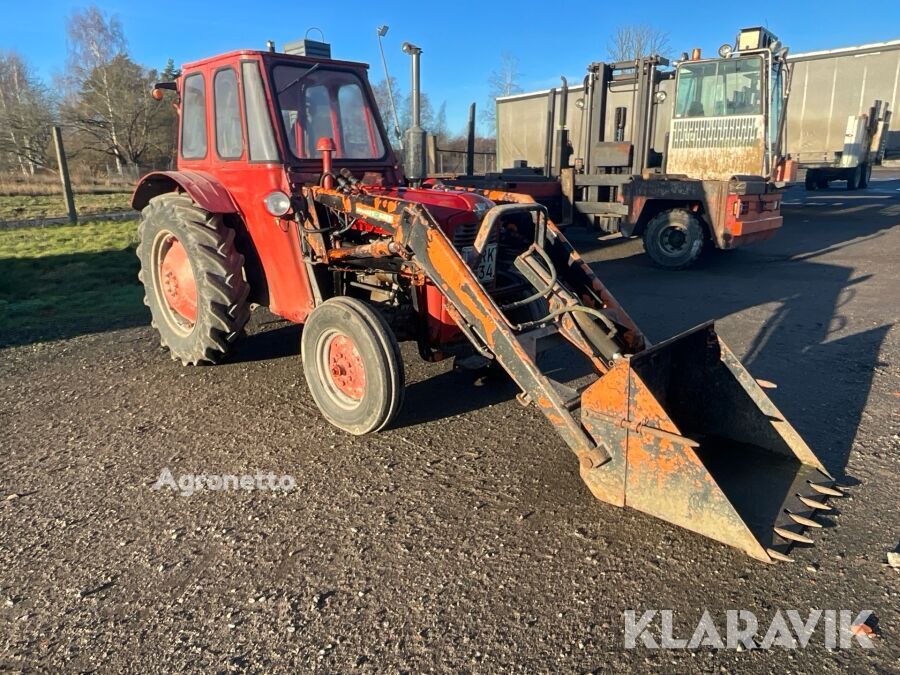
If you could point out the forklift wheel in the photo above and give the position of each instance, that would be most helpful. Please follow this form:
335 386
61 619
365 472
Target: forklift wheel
352 364
193 279
674 239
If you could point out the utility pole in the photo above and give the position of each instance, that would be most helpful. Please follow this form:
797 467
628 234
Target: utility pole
382 31
64 175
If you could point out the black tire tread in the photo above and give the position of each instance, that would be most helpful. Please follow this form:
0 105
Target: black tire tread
225 308
664 217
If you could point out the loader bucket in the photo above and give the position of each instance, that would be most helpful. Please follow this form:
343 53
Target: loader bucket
695 441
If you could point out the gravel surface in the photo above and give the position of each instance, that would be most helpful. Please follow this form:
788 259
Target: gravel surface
462 538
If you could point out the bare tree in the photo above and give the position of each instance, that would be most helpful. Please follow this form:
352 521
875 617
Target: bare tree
404 108
27 115
128 130
504 81
632 42
94 42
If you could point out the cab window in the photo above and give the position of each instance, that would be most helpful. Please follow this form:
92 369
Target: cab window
193 117
229 135
719 88
316 103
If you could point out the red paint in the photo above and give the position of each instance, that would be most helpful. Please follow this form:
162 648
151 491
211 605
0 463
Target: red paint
206 191
178 283
751 218
348 373
326 147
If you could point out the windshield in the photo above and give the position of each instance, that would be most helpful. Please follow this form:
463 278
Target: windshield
718 88
320 103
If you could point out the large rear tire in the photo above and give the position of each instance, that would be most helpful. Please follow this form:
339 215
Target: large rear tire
193 279
352 364
674 239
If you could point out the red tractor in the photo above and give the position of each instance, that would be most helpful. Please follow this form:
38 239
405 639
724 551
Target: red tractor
288 195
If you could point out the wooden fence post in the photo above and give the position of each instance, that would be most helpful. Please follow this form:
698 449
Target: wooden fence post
64 175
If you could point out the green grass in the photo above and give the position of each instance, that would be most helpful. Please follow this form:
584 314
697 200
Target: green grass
29 207
66 280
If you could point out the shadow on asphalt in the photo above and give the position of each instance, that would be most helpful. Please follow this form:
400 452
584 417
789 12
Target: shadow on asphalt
264 343
823 383
453 392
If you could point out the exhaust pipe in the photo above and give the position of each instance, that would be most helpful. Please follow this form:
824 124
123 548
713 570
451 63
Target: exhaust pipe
416 153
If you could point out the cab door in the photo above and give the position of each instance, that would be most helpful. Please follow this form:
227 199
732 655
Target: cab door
246 160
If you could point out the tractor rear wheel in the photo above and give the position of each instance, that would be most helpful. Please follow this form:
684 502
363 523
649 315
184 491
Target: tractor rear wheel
193 279
352 364
674 239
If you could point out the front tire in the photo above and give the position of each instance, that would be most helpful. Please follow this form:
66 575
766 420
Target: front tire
674 239
193 279
352 364
854 178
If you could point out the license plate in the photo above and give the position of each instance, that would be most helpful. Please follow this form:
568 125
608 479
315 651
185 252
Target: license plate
487 266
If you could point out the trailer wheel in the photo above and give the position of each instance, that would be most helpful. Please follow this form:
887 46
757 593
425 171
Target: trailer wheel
810 181
674 239
865 176
352 364
854 177
193 279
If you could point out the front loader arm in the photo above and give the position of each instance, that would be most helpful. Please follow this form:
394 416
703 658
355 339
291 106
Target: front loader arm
678 430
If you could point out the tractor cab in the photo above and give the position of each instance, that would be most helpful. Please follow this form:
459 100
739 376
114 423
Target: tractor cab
249 107
729 111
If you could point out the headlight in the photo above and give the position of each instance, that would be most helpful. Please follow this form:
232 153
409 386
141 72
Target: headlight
277 203
480 208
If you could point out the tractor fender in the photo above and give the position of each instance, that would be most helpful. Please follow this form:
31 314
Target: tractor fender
208 193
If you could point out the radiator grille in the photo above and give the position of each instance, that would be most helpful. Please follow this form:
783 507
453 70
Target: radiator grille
715 132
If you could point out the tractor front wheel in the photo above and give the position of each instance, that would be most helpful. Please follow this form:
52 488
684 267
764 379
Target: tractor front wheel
352 364
193 279
674 239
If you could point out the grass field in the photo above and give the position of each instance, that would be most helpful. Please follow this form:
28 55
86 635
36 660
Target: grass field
66 280
29 207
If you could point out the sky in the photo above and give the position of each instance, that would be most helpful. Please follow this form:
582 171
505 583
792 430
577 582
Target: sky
461 41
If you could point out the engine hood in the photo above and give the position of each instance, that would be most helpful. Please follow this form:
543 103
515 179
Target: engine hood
442 205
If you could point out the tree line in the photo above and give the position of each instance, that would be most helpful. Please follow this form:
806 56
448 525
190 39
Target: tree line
112 126
102 101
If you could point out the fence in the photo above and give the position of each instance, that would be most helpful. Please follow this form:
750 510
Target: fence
452 162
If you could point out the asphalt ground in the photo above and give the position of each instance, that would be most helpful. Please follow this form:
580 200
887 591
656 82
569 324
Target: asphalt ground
462 538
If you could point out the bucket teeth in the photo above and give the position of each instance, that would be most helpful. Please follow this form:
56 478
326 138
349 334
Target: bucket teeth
803 520
779 556
826 490
790 535
813 503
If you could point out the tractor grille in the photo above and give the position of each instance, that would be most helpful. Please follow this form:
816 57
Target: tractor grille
464 235
716 132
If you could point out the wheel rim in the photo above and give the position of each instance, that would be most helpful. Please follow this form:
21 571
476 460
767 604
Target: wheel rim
672 240
342 369
174 282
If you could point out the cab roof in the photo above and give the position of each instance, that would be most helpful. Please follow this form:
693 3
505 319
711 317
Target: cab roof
258 53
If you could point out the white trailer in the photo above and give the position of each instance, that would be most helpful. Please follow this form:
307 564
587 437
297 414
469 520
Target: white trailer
864 145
